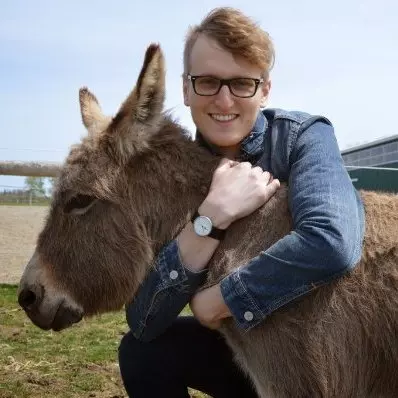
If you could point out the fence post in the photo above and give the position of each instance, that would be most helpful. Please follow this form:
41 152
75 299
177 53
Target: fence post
30 169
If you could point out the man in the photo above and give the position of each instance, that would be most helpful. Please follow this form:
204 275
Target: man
227 59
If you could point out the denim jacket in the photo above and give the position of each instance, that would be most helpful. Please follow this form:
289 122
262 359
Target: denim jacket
325 243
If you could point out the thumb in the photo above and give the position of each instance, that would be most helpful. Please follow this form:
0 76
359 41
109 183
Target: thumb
226 163
273 186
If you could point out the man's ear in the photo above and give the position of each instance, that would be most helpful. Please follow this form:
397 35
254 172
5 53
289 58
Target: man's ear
185 90
266 88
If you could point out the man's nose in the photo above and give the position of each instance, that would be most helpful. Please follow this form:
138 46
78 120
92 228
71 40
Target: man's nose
224 98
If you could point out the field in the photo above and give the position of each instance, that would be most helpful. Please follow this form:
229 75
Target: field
19 227
78 362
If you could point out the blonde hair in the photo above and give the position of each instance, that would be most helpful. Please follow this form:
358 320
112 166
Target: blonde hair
236 33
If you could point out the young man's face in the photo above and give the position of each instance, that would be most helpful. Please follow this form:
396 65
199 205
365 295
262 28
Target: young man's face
223 119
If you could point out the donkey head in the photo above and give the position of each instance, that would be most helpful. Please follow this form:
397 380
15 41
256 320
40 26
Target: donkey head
94 249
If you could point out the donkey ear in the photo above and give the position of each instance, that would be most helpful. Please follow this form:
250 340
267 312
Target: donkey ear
145 103
141 112
93 118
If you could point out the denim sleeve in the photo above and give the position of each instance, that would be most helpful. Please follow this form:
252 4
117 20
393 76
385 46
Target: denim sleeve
163 294
326 240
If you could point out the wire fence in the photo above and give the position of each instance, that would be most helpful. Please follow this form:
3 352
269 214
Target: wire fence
22 196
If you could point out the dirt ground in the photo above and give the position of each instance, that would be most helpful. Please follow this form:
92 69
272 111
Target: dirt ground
19 228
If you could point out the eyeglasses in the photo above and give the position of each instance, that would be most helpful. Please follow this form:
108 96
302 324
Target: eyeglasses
243 87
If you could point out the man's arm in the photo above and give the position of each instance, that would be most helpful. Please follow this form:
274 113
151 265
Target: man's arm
179 269
325 244
163 294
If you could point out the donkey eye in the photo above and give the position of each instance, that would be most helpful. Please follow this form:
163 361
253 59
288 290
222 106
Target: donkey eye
79 202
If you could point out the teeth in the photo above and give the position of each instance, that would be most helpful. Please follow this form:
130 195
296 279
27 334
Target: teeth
223 118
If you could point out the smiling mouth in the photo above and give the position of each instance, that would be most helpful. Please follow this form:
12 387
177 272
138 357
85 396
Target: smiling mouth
223 118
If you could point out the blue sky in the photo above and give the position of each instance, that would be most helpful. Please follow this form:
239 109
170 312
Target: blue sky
335 58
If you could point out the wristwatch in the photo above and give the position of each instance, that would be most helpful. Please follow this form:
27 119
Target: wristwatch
203 226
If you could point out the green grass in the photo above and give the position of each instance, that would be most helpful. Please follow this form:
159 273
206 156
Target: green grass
78 362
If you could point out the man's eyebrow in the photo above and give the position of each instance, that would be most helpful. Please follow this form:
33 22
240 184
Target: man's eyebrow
217 76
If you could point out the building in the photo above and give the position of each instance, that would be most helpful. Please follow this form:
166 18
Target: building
374 166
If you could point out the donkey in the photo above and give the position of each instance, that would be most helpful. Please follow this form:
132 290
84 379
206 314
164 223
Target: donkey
115 206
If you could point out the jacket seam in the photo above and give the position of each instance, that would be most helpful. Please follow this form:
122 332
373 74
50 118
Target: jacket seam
248 295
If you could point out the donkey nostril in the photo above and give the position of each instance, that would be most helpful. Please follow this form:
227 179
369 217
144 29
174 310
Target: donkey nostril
26 299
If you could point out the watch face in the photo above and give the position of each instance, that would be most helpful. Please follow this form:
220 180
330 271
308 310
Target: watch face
202 225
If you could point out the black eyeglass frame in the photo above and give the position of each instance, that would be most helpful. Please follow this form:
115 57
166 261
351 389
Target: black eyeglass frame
225 82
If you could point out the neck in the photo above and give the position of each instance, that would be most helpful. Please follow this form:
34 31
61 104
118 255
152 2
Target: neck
231 152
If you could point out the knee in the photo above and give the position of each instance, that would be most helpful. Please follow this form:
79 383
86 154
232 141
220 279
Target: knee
133 356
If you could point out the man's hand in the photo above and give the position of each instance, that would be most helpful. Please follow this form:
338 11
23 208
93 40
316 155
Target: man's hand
237 190
209 308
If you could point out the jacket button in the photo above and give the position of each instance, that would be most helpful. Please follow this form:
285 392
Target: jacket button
173 274
248 316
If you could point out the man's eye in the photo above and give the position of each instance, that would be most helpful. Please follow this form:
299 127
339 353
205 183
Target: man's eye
79 202
208 81
243 83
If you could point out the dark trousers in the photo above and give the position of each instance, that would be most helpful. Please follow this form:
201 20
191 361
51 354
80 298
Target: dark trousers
186 355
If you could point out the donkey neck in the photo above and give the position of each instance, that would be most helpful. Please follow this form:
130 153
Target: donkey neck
177 176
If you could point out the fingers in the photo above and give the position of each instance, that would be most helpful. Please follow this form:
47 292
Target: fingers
244 166
271 189
257 169
226 163
247 168
266 176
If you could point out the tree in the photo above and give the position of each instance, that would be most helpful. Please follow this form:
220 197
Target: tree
52 181
35 185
